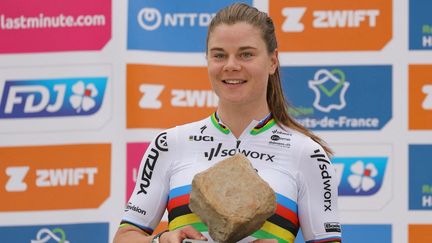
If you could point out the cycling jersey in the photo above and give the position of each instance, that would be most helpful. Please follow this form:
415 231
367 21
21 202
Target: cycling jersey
296 167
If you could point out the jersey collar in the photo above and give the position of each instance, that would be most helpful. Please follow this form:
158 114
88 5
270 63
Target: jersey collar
260 127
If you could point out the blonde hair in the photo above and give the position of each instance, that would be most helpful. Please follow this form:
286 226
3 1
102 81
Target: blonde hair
278 105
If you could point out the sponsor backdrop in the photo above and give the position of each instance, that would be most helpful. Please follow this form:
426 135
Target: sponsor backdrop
86 85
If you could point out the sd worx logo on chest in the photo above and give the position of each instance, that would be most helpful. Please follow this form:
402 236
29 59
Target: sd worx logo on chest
52 97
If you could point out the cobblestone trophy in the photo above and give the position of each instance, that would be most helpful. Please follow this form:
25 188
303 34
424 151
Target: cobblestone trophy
231 199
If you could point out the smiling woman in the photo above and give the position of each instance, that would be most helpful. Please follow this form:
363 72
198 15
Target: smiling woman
252 119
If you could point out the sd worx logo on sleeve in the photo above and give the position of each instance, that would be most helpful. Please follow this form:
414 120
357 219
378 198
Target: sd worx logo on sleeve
54 177
332 25
52 97
163 96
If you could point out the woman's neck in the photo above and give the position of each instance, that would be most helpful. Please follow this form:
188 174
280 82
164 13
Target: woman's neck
237 117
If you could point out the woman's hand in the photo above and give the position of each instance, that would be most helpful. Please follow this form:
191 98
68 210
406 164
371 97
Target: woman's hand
178 235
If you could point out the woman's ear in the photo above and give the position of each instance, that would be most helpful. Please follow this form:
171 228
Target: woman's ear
274 62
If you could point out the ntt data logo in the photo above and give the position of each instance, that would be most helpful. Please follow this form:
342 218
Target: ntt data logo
420 25
420 177
362 176
64 233
171 26
340 98
51 97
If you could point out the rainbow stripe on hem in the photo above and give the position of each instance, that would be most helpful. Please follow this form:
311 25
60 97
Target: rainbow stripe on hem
283 225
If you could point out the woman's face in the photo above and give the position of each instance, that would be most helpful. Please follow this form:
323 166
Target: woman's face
239 64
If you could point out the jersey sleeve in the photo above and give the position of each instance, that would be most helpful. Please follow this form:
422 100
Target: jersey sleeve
317 196
149 198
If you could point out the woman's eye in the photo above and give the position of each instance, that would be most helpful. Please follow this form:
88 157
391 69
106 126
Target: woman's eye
218 55
246 54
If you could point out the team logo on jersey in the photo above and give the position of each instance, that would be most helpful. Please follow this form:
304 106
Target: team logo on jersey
199 138
280 138
323 164
131 206
161 145
224 152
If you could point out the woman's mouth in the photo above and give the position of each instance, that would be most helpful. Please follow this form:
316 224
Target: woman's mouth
234 81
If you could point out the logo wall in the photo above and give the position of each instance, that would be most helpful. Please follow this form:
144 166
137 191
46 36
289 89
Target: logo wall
64 233
54 177
135 152
335 25
34 26
340 98
163 96
420 97
171 26
420 25
420 177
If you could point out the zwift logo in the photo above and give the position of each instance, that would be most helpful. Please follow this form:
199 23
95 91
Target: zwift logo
52 97
360 176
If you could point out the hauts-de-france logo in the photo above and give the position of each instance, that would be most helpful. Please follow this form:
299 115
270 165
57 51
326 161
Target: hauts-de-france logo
360 176
340 97
330 88
52 97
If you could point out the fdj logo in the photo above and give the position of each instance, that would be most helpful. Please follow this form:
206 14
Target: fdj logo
50 98
329 88
360 176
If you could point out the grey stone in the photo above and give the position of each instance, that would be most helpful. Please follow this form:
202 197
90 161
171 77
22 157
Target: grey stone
231 199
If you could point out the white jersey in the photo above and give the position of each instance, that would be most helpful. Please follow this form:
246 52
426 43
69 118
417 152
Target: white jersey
296 167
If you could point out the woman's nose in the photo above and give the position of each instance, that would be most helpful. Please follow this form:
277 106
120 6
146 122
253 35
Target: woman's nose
232 64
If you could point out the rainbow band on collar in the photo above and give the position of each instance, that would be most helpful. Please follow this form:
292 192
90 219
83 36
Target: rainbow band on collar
262 126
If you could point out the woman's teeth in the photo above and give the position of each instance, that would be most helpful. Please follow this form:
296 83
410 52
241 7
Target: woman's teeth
233 81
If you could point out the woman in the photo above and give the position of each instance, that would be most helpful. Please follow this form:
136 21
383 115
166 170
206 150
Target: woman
252 118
